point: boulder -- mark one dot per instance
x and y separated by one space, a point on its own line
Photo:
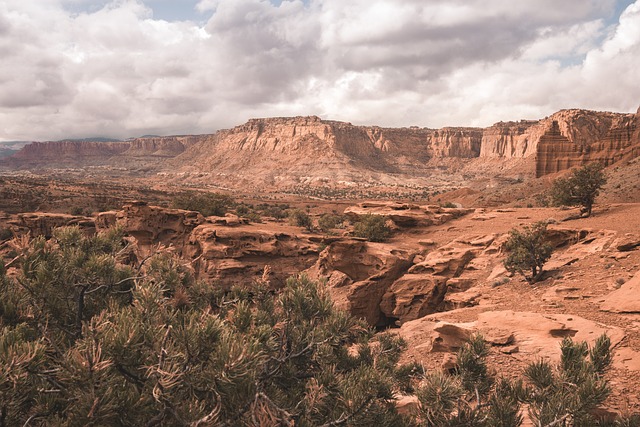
413 296
404 214
624 300
445 262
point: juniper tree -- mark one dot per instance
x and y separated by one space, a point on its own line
528 251
581 187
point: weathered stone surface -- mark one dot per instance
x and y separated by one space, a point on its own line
151 225
536 335
445 262
370 270
405 215
43 223
413 296
626 299
220 253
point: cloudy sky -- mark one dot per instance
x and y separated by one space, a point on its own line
122 68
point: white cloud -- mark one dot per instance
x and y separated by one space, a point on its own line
98 67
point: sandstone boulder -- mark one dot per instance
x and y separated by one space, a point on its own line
413 296
624 300
405 215
536 335
221 254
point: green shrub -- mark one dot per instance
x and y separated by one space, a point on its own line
328 222
372 228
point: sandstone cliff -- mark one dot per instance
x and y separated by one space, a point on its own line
66 152
289 152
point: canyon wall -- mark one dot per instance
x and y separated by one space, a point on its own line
308 149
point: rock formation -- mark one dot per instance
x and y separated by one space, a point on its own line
282 153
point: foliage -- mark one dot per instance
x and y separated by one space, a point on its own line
328 222
372 227
158 348
528 251
467 398
567 395
208 204
581 187
301 219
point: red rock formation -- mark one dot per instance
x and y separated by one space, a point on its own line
606 139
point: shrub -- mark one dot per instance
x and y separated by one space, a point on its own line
328 222
580 189
208 204
372 227
528 251
301 219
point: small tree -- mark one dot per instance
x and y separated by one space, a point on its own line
528 251
373 228
579 189
301 219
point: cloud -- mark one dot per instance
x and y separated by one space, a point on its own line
76 68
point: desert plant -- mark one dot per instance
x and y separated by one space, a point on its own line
579 189
328 222
566 395
300 218
528 251
208 204
372 227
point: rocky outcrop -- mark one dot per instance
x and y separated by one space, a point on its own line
153 225
404 214
625 299
575 138
43 223
532 335
223 255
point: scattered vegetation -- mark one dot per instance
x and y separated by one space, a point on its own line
528 251
372 227
579 189
208 204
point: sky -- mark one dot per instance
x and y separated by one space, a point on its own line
125 68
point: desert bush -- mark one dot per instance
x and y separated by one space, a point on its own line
208 204
372 227
528 251
328 222
300 218
579 189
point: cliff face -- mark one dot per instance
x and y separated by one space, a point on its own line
605 138
169 146
301 150
69 150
